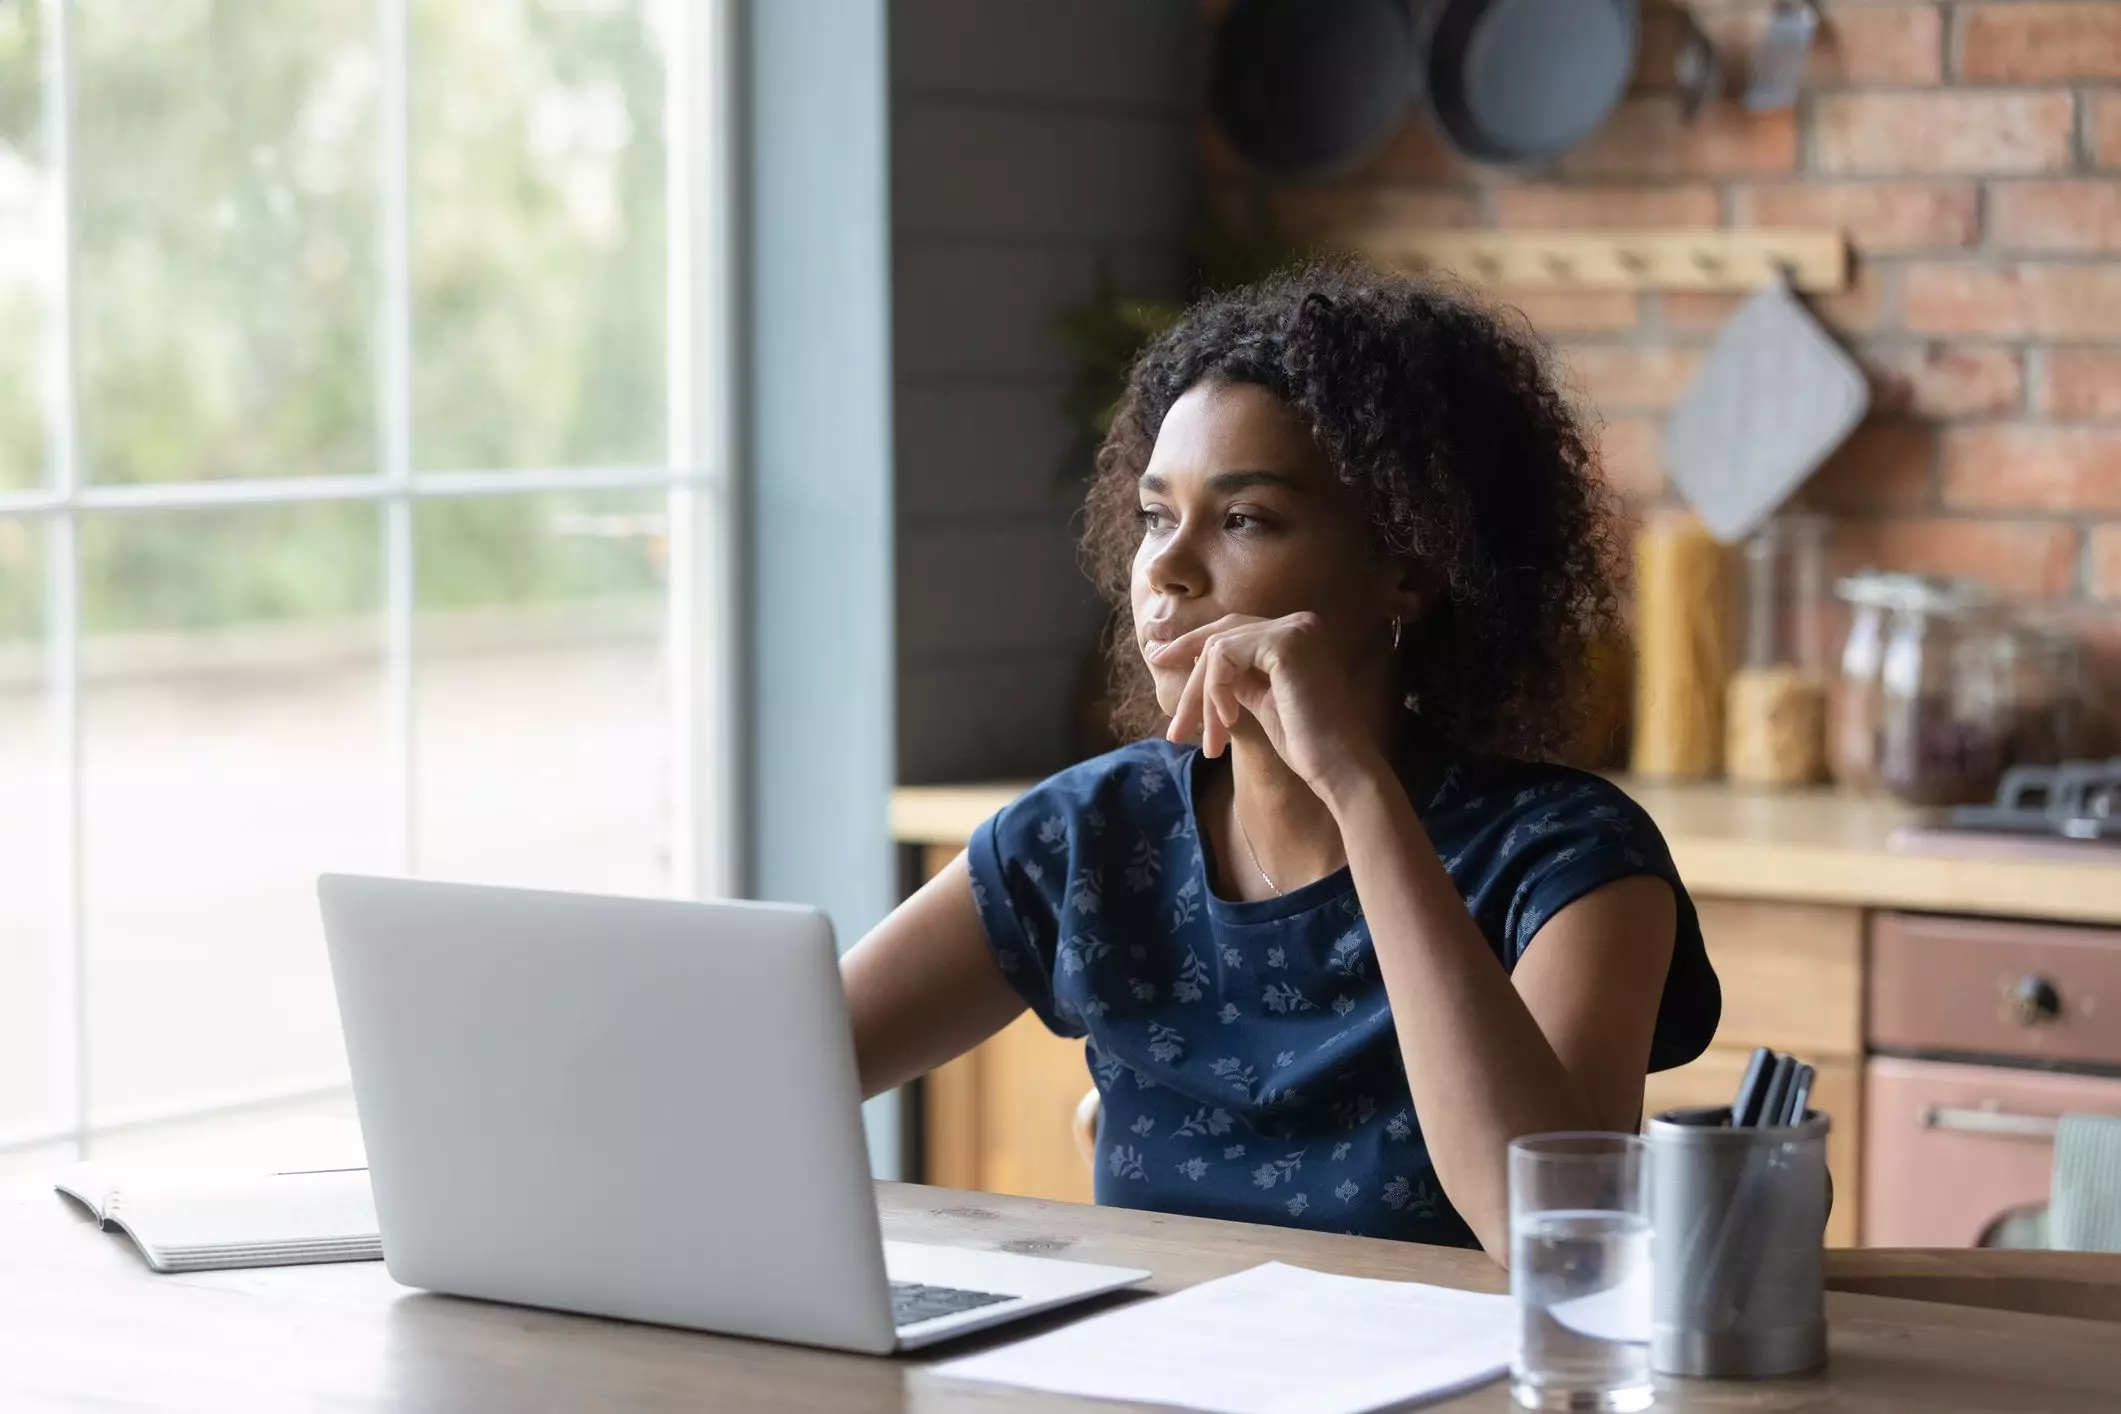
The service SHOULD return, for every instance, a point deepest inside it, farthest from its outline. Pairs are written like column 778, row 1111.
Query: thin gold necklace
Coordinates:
column 1250, row 852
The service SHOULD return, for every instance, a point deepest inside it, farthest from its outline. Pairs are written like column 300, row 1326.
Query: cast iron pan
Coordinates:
column 1310, row 89
column 1513, row 81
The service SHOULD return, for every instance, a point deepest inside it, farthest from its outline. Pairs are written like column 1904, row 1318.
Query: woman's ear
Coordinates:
column 1407, row 592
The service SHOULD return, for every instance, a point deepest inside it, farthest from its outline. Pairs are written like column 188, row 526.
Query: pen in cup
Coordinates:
column 1771, row 1095
column 1800, row 1095
column 1773, row 1092
column 1778, row 1090
column 1745, row 1109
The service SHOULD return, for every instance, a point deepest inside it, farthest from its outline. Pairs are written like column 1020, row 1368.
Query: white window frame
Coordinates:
column 698, row 476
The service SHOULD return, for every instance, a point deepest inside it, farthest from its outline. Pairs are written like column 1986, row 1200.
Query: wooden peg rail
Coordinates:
column 1812, row 260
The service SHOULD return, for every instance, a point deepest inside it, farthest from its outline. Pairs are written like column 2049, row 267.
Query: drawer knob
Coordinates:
column 2034, row 1001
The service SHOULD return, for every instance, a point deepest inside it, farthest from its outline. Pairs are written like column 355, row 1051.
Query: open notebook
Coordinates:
column 205, row 1209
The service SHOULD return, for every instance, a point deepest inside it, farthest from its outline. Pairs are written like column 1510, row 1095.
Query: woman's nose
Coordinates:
column 1173, row 569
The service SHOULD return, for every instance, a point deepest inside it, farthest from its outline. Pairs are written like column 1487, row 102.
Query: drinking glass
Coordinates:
column 1580, row 1272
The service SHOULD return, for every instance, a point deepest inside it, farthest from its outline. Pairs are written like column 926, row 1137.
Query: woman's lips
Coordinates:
column 1155, row 633
column 1160, row 630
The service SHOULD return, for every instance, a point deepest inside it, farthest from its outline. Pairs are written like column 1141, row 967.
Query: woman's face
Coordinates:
column 1241, row 515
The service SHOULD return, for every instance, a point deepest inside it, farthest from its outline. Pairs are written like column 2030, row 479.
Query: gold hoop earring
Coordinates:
column 1395, row 633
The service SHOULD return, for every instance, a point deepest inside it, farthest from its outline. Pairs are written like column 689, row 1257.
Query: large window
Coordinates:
column 361, row 506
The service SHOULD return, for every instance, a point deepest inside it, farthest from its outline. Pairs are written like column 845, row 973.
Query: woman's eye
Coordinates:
column 1152, row 518
column 1238, row 520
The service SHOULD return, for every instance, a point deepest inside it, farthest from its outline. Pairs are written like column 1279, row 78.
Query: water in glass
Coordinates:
column 1582, row 1279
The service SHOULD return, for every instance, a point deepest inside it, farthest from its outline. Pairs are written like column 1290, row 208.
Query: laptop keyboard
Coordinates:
column 912, row 1303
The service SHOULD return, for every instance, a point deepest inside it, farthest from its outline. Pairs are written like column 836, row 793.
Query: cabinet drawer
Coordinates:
column 1942, row 1160
column 1973, row 986
column 1792, row 976
column 1836, row 1093
column 1000, row 1118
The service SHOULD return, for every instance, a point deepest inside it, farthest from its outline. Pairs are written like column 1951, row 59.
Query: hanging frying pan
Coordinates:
column 1515, row 81
column 1310, row 89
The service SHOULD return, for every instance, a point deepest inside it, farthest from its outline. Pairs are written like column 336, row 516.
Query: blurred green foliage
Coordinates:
column 1105, row 335
column 228, row 259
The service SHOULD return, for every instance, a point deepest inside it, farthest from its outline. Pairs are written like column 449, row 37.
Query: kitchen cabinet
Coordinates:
column 1837, row 1093
column 1792, row 978
column 999, row 1118
column 1957, row 1148
column 2031, row 993
column 1971, row 1021
column 1799, row 895
column 1791, row 973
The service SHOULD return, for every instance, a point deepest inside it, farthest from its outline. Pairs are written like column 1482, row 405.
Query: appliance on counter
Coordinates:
column 1984, row 1033
column 2068, row 811
column 2078, row 800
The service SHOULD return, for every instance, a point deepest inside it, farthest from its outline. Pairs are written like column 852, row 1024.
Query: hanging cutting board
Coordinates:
column 1773, row 400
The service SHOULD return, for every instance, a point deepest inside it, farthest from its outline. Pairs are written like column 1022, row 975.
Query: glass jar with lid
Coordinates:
column 1775, row 705
column 1855, row 713
column 2038, row 691
column 1939, row 736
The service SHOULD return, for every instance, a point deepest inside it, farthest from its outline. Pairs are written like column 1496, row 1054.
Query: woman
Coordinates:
column 1337, row 934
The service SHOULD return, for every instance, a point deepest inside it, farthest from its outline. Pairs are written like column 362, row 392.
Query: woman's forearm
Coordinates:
column 1480, row 1070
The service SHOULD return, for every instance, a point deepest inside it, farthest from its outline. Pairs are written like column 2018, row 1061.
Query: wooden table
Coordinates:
column 85, row 1326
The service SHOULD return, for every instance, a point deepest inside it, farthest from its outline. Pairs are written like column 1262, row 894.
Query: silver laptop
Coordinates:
column 637, row 1108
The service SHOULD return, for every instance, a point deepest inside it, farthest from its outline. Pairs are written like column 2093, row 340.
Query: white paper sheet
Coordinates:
column 286, row 1146
column 292, row 1192
column 1275, row 1339
column 327, row 1211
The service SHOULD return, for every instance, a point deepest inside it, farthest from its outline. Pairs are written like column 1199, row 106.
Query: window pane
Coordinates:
column 32, row 1030
column 234, row 747
column 319, row 1129
column 541, row 722
column 23, row 190
column 537, row 234
column 226, row 283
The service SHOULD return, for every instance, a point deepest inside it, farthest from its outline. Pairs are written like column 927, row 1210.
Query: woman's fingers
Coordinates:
column 1228, row 706
column 1226, row 664
column 1186, row 647
column 1185, row 715
column 1226, row 656
column 1190, row 717
column 1216, row 723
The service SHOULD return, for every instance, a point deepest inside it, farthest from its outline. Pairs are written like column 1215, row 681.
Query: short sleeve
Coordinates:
column 1594, row 835
column 1021, row 861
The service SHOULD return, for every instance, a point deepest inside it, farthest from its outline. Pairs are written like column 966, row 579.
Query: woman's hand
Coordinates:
column 1283, row 675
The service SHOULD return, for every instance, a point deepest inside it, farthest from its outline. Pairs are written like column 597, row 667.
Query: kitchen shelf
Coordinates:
column 1813, row 261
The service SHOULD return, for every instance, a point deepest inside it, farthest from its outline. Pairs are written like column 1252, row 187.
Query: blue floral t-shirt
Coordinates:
column 1244, row 1050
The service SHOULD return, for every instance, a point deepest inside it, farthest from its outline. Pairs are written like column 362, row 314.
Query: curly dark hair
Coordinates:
column 1471, row 464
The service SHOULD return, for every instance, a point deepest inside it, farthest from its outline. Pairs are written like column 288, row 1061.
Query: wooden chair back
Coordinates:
column 1085, row 1127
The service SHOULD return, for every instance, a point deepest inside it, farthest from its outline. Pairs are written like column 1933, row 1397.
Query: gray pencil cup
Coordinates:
column 1738, row 1223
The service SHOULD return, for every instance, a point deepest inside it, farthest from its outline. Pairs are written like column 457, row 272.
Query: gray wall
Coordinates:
column 926, row 185
column 1029, row 140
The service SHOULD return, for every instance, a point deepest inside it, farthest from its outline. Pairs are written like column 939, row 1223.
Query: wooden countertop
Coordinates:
column 1806, row 846
column 90, row 1328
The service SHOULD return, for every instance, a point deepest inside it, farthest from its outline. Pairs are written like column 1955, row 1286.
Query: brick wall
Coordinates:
column 1972, row 154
